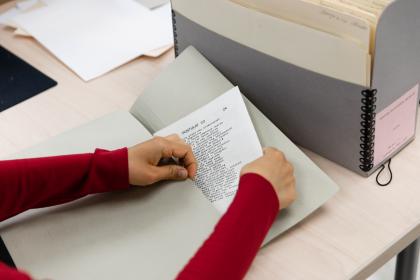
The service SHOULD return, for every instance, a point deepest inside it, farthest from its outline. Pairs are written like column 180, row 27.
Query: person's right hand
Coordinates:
column 275, row 168
column 144, row 159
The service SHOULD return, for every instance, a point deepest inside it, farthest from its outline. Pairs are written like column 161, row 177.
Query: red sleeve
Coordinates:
column 41, row 182
column 231, row 248
column 7, row 273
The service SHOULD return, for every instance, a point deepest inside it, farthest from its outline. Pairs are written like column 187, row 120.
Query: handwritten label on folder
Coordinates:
column 395, row 125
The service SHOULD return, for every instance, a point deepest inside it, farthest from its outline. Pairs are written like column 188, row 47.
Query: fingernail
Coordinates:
column 182, row 173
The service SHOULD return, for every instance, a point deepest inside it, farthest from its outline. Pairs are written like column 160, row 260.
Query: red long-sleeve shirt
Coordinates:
column 34, row 183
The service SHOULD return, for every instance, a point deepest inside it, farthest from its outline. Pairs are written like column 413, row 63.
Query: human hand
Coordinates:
column 143, row 160
column 275, row 168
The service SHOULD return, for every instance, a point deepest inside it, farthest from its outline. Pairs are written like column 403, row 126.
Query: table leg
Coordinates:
column 407, row 262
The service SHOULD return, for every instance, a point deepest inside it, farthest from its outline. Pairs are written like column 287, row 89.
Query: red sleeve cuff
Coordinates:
column 111, row 166
column 8, row 273
column 257, row 187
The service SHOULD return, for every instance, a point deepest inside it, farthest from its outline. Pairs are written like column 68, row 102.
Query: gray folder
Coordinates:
column 144, row 233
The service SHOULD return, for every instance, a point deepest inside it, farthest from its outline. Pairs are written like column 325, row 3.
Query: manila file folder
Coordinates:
column 147, row 233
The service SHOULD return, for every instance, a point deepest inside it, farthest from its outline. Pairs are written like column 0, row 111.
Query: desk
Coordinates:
column 350, row 237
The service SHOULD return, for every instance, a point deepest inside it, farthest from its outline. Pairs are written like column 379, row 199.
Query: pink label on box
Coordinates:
column 395, row 125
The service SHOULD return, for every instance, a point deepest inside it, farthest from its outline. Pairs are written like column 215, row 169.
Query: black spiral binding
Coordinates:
column 175, row 34
column 368, row 129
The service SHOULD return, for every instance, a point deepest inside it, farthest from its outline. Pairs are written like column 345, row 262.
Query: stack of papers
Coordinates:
column 93, row 37
column 353, row 22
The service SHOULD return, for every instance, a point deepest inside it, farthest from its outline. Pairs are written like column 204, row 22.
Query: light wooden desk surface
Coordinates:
column 350, row 237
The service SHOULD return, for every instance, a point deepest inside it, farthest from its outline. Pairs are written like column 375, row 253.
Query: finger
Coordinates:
column 280, row 155
column 290, row 168
column 275, row 153
column 175, row 137
column 171, row 172
column 182, row 151
column 269, row 150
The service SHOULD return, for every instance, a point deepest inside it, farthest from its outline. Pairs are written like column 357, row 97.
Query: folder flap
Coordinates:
column 397, row 61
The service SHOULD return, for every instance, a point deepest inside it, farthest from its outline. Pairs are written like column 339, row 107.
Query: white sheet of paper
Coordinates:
column 26, row 4
column 223, row 140
column 153, row 53
column 21, row 7
column 159, row 52
column 20, row 32
column 6, row 17
column 92, row 37
column 163, row 11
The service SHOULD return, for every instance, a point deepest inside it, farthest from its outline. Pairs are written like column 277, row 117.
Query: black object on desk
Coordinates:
column 19, row 80
column 5, row 255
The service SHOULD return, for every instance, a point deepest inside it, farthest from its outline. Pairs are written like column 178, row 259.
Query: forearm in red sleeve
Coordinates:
column 231, row 248
column 7, row 273
column 41, row 182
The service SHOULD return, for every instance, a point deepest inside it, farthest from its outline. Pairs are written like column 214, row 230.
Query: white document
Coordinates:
column 26, row 4
column 20, row 32
column 21, row 8
column 223, row 139
column 164, row 12
column 92, row 37
column 6, row 17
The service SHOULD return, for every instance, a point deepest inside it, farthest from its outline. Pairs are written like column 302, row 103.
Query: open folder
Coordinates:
column 145, row 233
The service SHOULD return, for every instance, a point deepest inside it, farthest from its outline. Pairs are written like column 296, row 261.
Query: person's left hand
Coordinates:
column 143, row 160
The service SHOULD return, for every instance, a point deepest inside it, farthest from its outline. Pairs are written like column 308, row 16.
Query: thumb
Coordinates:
column 172, row 172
